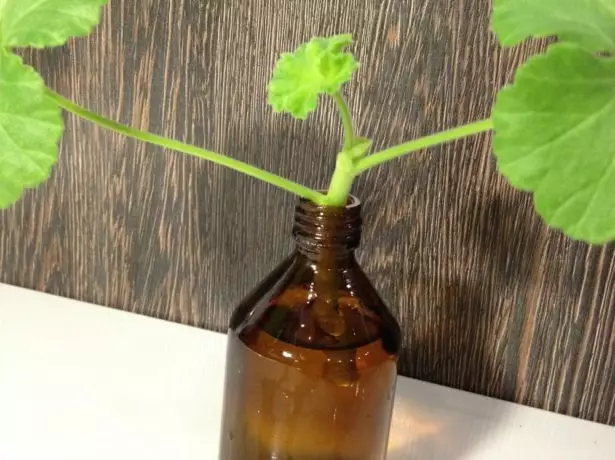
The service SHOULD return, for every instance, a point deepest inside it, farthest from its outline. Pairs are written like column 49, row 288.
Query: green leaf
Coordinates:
column 41, row 23
column 317, row 67
column 555, row 136
column 30, row 127
column 588, row 23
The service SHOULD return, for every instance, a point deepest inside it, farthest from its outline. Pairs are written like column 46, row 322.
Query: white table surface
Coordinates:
column 82, row 382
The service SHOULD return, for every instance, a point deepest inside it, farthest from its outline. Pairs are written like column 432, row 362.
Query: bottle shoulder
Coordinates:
column 306, row 305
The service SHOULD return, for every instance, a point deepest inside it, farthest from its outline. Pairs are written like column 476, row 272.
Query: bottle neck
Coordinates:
column 324, row 232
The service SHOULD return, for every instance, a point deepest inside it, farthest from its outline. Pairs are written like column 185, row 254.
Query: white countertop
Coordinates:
column 82, row 382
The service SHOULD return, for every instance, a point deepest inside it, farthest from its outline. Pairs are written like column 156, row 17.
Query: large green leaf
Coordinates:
column 40, row 23
column 30, row 127
column 555, row 136
column 589, row 23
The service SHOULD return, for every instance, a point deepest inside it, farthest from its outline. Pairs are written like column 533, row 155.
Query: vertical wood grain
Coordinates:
column 490, row 300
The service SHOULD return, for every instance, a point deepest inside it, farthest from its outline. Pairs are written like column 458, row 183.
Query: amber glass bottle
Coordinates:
column 312, row 353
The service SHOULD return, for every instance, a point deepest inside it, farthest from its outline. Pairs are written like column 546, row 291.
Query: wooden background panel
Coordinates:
column 490, row 300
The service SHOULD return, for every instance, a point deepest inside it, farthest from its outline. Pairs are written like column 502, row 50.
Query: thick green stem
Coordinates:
column 188, row 149
column 342, row 180
column 344, row 175
column 423, row 143
column 349, row 135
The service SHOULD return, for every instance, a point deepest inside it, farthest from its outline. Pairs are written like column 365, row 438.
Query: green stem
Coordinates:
column 342, row 180
column 188, row 149
column 344, row 175
column 349, row 136
column 423, row 143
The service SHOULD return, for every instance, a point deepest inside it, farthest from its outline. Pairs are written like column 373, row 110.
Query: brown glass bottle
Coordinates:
column 312, row 353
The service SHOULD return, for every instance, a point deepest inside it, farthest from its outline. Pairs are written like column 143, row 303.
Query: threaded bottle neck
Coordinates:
column 335, row 230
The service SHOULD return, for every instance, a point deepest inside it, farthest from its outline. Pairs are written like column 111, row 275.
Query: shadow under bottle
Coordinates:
column 312, row 353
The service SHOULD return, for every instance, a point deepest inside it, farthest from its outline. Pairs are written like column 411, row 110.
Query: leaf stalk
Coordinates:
column 188, row 149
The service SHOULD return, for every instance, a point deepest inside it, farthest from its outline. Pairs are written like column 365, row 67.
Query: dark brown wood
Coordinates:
column 490, row 300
